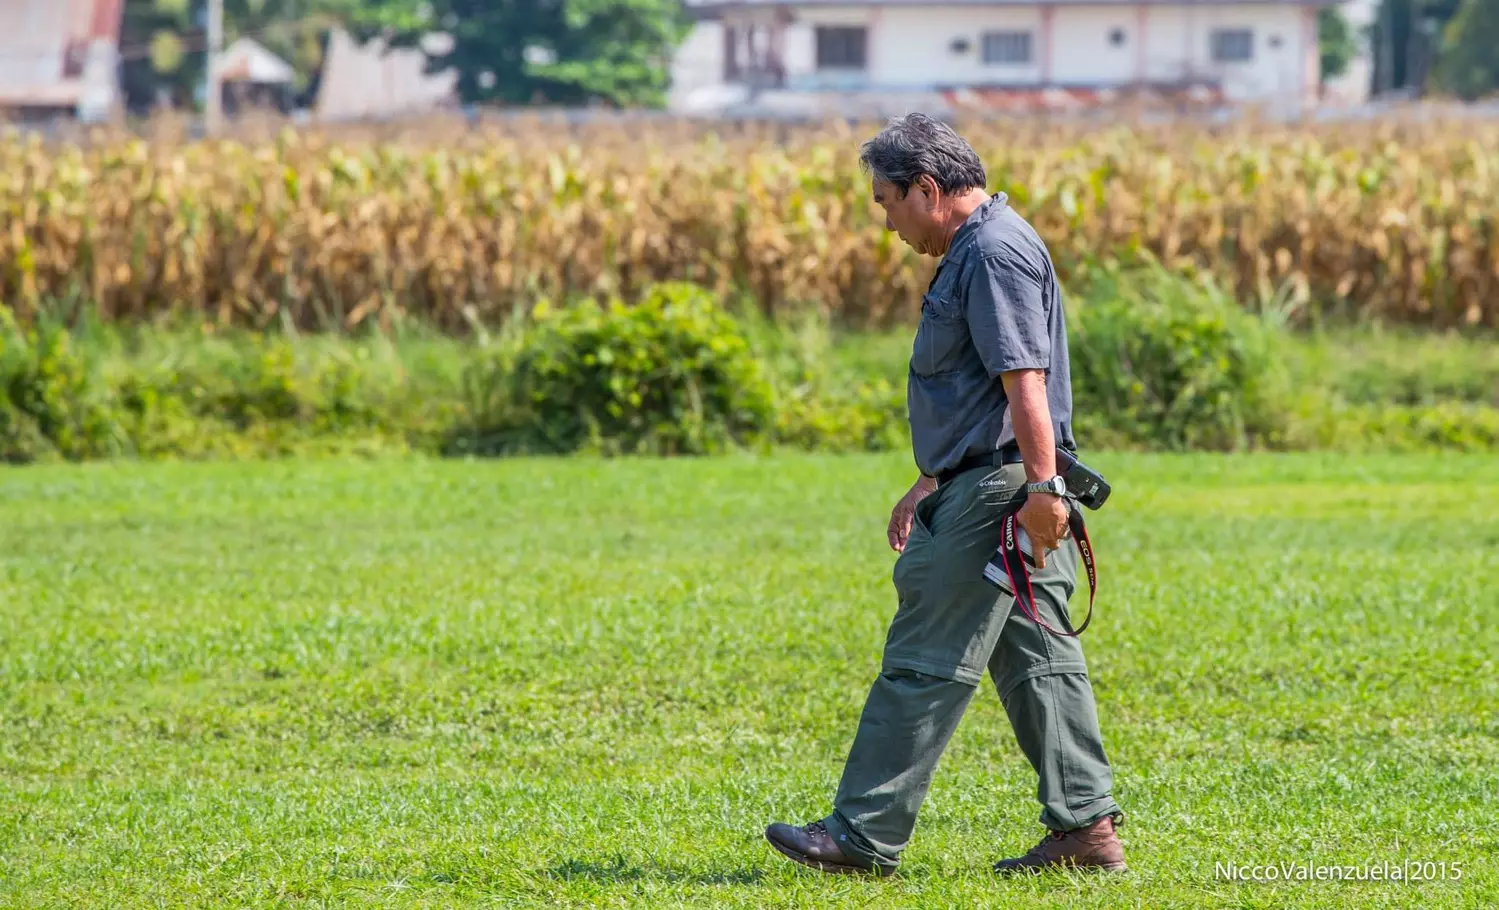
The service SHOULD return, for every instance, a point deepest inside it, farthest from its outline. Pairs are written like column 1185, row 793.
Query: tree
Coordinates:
column 164, row 46
column 1336, row 44
column 1468, row 65
column 551, row 51
column 1403, row 38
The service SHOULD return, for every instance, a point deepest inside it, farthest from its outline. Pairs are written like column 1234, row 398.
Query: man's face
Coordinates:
column 913, row 215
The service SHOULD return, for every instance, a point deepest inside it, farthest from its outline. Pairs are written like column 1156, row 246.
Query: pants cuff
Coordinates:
column 1086, row 814
column 854, row 844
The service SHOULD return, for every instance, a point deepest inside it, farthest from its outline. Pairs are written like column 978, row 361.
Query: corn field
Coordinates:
column 1379, row 221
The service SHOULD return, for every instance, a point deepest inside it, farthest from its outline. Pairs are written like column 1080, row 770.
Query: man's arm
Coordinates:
column 1031, row 417
column 1007, row 319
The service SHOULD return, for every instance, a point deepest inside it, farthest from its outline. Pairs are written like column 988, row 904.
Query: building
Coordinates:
column 372, row 81
column 824, row 55
column 252, row 76
column 59, row 57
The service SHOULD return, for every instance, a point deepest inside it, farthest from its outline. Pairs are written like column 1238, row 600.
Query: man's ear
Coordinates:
column 929, row 188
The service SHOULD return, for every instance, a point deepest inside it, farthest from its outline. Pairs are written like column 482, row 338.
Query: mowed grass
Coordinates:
column 575, row 682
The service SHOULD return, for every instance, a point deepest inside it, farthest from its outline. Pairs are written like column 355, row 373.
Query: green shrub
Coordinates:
column 869, row 416
column 1380, row 367
column 1158, row 363
column 1161, row 362
column 671, row 375
column 1449, row 426
column 51, row 403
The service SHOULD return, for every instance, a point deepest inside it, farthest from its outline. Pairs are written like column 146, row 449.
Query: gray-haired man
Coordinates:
column 990, row 399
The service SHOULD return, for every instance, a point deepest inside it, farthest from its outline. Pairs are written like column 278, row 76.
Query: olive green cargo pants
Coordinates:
column 951, row 623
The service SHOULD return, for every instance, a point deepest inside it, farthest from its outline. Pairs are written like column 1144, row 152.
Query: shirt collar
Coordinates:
column 989, row 210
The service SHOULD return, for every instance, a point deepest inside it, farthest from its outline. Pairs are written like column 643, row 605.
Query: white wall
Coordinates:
column 910, row 47
column 1179, row 45
column 370, row 81
column 1081, row 52
column 32, row 39
column 915, row 45
column 698, row 62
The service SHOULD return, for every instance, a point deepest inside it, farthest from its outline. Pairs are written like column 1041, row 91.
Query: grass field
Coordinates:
column 573, row 682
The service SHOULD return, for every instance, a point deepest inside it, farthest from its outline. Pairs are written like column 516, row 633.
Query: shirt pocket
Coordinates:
column 941, row 336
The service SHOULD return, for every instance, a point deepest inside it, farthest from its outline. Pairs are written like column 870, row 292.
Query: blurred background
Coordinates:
column 336, row 60
column 289, row 268
column 1275, row 221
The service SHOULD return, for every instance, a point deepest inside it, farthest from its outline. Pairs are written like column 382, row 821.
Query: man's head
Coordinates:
column 926, row 178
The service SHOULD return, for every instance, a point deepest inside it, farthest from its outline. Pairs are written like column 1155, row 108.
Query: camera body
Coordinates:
column 1084, row 484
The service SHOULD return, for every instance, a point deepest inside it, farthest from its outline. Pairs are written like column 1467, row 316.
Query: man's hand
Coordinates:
column 1044, row 518
column 900, row 518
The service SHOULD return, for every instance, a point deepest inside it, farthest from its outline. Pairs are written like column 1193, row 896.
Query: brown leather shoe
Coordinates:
column 1093, row 848
column 811, row 845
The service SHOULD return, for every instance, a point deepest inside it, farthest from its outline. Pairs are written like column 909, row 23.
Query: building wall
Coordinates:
column 60, row 54
column 33, row 37
column 370, row 80
column 1178, row 45
column 911, row 48
column 1082, row 52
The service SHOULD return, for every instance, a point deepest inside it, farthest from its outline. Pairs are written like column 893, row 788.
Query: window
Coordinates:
column 1007, row 47
column 1232, row 45
column 75, row 55
column 730, row 53
column 841, row 47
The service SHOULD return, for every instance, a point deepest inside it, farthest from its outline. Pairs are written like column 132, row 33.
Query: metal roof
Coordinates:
column 43, row 44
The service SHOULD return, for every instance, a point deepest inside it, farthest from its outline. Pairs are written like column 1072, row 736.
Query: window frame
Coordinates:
column 995, row 40
column 1219, row 41
column 828, row 37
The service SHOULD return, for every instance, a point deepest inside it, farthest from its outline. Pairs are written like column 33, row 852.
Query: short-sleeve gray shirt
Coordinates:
column 993, row 306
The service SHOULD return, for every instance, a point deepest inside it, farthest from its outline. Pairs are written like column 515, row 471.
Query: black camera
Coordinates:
column 1084, row 484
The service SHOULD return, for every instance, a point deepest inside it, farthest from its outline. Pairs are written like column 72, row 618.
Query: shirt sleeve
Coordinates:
column 1007, row 315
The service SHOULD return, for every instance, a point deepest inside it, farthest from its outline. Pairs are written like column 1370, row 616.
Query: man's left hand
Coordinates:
column 1044, row 518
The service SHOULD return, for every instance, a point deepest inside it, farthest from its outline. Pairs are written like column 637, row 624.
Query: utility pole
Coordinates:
column 213, row 108
column 1386, row 69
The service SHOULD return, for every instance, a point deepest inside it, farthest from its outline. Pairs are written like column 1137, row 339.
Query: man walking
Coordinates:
column 990, row 399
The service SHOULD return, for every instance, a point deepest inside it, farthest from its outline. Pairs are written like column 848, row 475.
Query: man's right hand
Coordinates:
column 905, row 510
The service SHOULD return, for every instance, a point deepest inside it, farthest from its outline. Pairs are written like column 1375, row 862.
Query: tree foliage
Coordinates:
column 543, row 51
column 1336, row 44
column 1469, row 63
column 164, row 41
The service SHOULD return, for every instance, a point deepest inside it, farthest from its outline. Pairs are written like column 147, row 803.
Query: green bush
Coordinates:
column 1450, row 426
column 1382, row 367
column 1158, row 363
column 51, row 402
column 672, row 375
column 1163, row 362
column 868, row 417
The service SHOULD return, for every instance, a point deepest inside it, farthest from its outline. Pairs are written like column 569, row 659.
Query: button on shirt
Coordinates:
column 993, row 306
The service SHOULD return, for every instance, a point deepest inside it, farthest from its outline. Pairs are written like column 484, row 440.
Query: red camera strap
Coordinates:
column 1015, row 567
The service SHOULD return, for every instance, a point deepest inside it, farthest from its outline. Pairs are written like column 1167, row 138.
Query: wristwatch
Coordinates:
column 1056, row 486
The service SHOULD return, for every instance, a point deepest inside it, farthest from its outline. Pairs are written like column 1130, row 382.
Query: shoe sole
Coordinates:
column 819, row 865
column 1058, row 867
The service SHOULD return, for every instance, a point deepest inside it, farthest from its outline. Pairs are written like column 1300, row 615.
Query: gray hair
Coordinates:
column 916, row 144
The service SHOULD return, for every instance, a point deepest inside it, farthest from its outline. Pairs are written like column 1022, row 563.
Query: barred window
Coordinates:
column 1007, row 47
column 842, row 46
column 1232, row 45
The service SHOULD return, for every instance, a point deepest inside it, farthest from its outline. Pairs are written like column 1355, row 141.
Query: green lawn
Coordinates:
column 532, row 682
